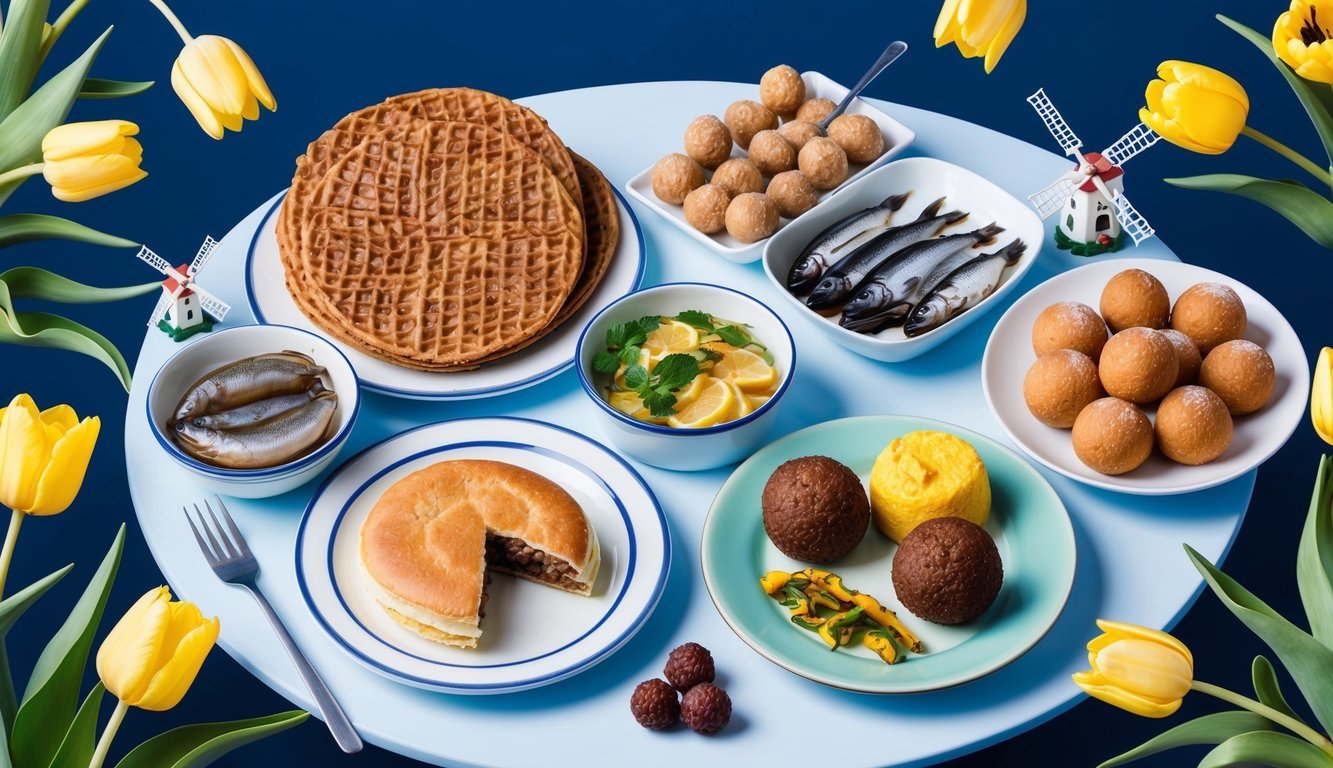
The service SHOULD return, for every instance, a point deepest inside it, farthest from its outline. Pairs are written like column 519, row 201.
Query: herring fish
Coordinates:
column 964, row 288
column 267, row 444
column 840, row 237
column 247, row 381
column 889, row 291
column 258, row 411
column 841, row 279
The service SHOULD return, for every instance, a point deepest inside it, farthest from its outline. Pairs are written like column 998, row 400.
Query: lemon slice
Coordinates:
column 671, row 337
column 743, row 405
column 631, row 405
column 714, row 405
column 690, row 392
column 746, row 370
column 757, row 401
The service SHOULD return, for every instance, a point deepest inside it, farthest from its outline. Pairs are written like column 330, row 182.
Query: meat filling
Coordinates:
column 518, row 556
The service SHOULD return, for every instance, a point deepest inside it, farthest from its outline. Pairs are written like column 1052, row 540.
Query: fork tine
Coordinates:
column 237, row 538
column 203, row 545
column 232, row 550
column 222, row 552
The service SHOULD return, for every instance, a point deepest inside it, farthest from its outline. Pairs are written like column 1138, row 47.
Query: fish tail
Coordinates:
column 932, row 210
column 1012, row 252
column 951, row 218
column 895, row 202
column 986, row 235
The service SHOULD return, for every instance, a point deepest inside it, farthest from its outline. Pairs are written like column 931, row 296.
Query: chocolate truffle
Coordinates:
column 1193, row 426
column 1135, row 298
column 1241, row 373
column 815, row 509
column 1210, row 314
column 947, row 571
column 1069, row 325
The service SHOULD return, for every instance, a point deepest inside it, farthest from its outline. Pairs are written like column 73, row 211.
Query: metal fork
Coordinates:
column 232, row 561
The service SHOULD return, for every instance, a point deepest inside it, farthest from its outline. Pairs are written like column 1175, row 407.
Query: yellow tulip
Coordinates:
column 1321, row 396
column 1195, row 107
column 43, row 456
column 980, row 27
column 1302, row 42
column 1138, row 669
column 85, row 160
column 154, row 652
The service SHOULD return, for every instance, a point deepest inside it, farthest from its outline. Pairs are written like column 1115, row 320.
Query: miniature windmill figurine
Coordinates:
column 1095, row 216
column 185, row 308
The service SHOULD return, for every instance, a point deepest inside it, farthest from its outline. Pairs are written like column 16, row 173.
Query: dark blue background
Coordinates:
column 325, row 59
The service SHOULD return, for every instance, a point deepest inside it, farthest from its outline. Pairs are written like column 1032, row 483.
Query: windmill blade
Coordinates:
column 159, row 311
column 211, row 304
column 1053, row 197
column 1064, row 135
column 1131, row 220
column 147, row 256
column 201, row 258
column 1139, row 138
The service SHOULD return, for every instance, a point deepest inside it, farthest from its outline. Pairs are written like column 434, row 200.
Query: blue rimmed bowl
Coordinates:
column 218, row 348
column 687, row 449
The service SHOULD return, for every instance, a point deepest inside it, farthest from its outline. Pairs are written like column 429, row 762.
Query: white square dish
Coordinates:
column 897, row 137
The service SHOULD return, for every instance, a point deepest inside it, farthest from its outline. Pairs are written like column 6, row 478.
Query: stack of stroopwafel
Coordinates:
column 444, row 229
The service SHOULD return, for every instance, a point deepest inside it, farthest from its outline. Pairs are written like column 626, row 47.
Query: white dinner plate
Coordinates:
column 267, row 293
column 532, row 635
column 1255, row 438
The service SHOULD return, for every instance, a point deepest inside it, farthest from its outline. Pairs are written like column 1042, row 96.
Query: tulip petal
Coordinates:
column 982, row 20
column 63, row 476
column 1124, row 700
column 124, row 661
column 1321, row 396
column 213, row 73
column 1006, row 35
column 946, row 24
column 24, row 451
column 71, row 139
column 175, row 677
column 1145, row 668
column 258, row 88
column 1206, row 79
column 203, row 114
column 1125, row 629
column 62, row 416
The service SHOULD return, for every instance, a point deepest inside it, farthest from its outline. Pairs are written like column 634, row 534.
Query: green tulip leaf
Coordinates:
column 1314, row 557
column 98, row 88
column 1308, row 210
column 52, row 695
column 1270, row 748
column 22, row 131
column 76, row 751
column 1306, row 659
column 195, row 746
column 11, row 609
column 1317, row 98
column 35, row 283
column 1209, row 729
column 40, row 329
column 20, row 51
column 1268, row 690
column 26, row 227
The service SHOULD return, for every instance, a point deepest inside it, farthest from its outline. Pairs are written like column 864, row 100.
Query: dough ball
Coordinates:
column 1112, row 436
column 771, row 153
column 823, row 162
column 798, row 132
column 1069, row 325
column 674, row 176
column 1241, row 373
column 751, row 217
column 792, row 193
column 859, row 137
column 1193, row 426
column 1188, row 359
column 1135, row 298
column 708, row 141
column 738, row 176
column 1209, row 313
column 1060, row 385
column 782, row 90
column 1138, row 365
column 706, row 208
column 815, row 110
column 745, row 118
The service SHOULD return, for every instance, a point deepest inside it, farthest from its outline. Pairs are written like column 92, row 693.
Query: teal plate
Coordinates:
column 1028, row 521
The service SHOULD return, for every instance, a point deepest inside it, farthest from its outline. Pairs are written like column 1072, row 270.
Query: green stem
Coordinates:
column 175, row 22
column 21, row 172
column 61, row 22
column 7, row 553
column 112, row 725
column 1282, row 149
column 1286, row 721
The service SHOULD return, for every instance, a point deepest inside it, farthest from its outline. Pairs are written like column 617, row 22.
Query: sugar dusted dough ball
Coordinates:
column 1138, row 365
column 738, row 176
column 745, row 118
column 751, row 217
column 1112, row 436
column 674, row 176
column 1209, row 313
column 791, row 192
column 798, row 132
column 782, row 90
column 823, row 162
column 771, row 153
column 1069, row 325
column 1241, row 373
column 859, row 137
column 1188, row 359
column 815, row 110
column 1193, row 426
column 708, row 141
column 1135, row 298
column 706, row 208
column 1059, row 386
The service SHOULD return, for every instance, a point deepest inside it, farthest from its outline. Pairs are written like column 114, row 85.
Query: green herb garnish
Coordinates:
column 658, row 389
column 622, row 344
column 734, row 334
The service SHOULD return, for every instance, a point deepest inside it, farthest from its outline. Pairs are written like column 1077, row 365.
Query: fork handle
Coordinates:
column 332, row 712
column 896, row 48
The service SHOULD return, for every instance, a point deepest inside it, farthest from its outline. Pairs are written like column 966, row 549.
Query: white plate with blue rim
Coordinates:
column 575, row 632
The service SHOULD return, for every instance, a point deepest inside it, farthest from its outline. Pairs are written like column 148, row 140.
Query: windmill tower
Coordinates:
column 185, row 308
column 1094, row 214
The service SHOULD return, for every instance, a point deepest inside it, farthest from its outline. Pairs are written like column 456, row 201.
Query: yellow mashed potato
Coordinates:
column 923, row 475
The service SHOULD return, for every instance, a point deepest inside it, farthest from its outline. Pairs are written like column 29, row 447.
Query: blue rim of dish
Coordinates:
column 633, row 627
column 754, row 415
column 499, row 389
column 265, row 473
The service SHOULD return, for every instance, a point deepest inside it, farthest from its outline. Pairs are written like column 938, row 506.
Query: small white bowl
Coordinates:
column 927, row 179
column 688, row 449
column 218, row 348
column 897, row 137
